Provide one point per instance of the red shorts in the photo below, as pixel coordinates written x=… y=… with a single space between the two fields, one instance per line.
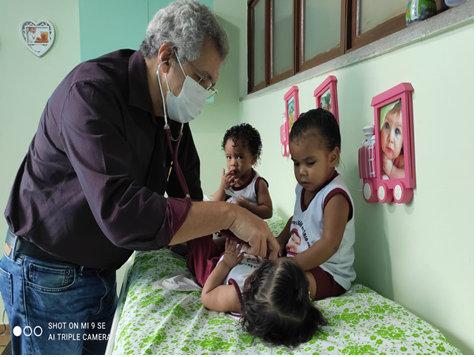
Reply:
x=203 y=255
x=326 y=286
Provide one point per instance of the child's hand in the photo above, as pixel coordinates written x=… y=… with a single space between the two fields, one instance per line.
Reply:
x=228 y=180
x=233 y=254
x=387 y=165
x=242 y=202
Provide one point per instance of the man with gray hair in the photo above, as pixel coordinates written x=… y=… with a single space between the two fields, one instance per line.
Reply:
x=114 y=139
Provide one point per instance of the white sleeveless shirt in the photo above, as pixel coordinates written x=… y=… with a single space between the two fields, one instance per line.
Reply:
x=239 y=274
x=242 y=271
x=249 y=190
x=307 y=225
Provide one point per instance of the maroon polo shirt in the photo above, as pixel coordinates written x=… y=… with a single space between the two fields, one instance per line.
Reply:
x=91 y=187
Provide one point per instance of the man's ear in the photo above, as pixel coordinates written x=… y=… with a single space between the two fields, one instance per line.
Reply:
x=334 y=156
x=166 y=51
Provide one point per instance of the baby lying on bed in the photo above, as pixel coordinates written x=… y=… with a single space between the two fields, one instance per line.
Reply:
x=271 y=296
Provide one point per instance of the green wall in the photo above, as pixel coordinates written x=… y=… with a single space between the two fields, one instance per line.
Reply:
x=124 y=28
x=27 y=81
x=209 y=128
x=102 y=34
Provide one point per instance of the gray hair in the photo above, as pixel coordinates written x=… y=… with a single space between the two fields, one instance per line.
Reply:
x=185 y=25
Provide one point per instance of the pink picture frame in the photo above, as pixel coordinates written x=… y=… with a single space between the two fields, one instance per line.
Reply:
x=387 y=158
x=326 y=96
x=291 y=102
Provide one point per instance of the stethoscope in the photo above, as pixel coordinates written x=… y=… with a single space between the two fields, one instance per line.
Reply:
x=173 y=150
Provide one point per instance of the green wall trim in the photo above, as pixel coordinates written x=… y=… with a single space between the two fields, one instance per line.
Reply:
x=110 y=25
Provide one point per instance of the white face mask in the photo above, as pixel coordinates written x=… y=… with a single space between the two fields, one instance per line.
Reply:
x=189 y=102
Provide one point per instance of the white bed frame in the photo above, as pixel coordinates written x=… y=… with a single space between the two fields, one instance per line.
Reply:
x=122 y=295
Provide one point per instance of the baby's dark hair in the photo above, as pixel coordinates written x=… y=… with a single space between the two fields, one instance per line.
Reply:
x=248 y=136
x=276 y=304
x=323 y=121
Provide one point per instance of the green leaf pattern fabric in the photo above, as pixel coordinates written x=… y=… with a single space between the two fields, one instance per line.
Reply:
x=158 y=321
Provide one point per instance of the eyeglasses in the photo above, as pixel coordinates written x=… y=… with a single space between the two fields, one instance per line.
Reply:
x=205 y=82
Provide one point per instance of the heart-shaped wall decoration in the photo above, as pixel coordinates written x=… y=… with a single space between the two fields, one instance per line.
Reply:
x=37 y=36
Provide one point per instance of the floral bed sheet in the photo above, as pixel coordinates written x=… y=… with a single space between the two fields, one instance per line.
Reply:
x=152 y=320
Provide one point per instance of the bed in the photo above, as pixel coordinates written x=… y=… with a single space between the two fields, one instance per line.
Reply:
x=152 y=320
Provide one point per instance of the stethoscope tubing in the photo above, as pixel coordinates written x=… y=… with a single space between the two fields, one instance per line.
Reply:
x=176 y=165
x=173 y=151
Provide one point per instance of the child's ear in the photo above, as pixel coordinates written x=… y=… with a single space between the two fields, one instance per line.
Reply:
x=254 y=159
x=334 y=157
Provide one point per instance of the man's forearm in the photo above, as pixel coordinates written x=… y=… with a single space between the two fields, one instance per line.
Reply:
x=205 y=218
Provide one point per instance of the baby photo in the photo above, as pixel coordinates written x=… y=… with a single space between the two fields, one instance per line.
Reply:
x=391 y=140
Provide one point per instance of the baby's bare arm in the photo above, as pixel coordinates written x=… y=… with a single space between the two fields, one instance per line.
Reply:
x=216 y=296
x=264 y=209
x=222 y=298
x=336 y=214
x=398 y=169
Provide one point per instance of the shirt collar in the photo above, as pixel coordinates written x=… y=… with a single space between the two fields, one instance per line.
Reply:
x=303 y=206
x=139 y=95
x=253 y=174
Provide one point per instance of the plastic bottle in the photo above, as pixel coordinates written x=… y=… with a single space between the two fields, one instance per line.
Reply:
x=419 y=10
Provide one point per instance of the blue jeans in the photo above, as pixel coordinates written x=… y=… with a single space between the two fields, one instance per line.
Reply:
x=55 y=308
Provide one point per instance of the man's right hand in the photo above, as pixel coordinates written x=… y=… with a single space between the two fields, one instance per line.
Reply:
x=209 y=217
x=253 y=230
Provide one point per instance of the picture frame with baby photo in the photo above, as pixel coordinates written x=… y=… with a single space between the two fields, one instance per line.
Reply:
x=394 y=155
x=291 y=102
x=326 y=96
x=38 y=37
x=291 y=98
